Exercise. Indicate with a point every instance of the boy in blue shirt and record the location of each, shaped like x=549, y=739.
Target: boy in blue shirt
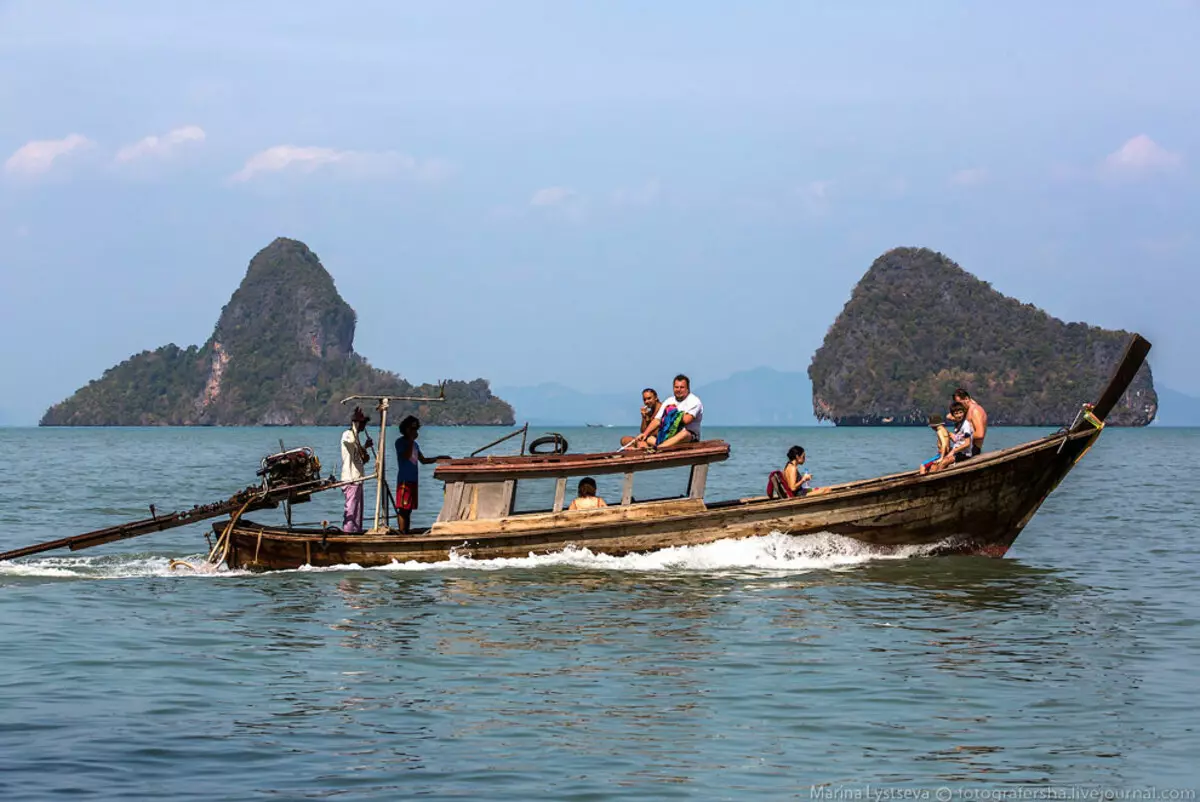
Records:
x=408, y=454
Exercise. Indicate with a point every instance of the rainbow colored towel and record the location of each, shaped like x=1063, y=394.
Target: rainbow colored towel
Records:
x=672, y=423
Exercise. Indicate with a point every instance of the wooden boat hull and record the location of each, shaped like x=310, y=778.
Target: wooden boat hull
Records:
x=977, y=507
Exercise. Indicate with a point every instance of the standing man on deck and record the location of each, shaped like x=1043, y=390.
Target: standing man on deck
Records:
x=408, y=455
x=354, y=456
x=976, y=415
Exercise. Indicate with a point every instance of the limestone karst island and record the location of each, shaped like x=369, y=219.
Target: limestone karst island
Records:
x=917, y=326
x=282, y=353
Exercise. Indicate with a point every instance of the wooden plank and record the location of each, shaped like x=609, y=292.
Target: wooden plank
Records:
x=492, y=500
x=697, y=481
x=469, y=513
x=627, y=490
x=451, y=502
x=1122, y=377
x=507, y=498
x=560, y=493
x=549, y=467
x=540, y=521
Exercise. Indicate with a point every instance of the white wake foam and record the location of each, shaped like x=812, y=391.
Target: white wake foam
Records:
x=776, y=552
x=113, y=566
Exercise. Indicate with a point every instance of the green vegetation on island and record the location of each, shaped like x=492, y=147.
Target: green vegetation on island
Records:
x=280, y=354
x=917, y=326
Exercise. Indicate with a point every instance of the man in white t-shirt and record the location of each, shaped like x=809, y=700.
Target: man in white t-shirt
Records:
x=677, y=420
x=354, y=456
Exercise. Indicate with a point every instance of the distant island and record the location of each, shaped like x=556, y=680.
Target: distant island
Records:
x=747, y=398
x=282, y=353
x=917, y=326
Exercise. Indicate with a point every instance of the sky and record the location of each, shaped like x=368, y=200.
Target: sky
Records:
x=596, y=194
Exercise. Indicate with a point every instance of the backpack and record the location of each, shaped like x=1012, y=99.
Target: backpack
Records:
x=777, y=488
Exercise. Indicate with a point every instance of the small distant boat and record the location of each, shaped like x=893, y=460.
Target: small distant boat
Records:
x=599, y=425
x=979, y=506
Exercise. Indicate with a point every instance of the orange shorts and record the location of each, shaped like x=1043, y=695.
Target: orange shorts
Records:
x=406, y=496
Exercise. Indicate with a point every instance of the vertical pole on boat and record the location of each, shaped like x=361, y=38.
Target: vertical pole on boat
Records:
x=287, y=502
x=381, y=455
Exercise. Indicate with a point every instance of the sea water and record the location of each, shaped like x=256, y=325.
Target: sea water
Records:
x=767, y=668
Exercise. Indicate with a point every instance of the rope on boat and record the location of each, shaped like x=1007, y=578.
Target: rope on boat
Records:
x=1098, y=424
x=223, y=540
x=1085, y=414
x=221, y=545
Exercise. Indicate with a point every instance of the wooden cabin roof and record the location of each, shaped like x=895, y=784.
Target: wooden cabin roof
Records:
x=490, y=469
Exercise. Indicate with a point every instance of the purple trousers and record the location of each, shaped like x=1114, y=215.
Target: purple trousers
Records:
x=352, y=517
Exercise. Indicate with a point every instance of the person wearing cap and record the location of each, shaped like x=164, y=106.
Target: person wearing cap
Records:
x=938, y=424
x=354, y=457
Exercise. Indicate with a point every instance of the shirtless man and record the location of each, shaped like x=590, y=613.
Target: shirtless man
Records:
x=650, y=407
x=976, y=415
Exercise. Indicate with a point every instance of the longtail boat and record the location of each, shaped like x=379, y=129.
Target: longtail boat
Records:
x=978, y=506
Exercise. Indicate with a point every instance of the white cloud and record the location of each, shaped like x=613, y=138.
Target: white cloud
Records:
x=161, y=146
x=553, y=196
x=561, y=202
x=1166, y=245
x=970, y=177
x=1141, y=155
x=644, y=195
x=815, y=197
x=37, y=157
x=354, y=163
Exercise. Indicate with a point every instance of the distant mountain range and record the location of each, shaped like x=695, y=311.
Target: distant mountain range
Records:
x=747, y=398
x=1177, y=409
x=758, y=397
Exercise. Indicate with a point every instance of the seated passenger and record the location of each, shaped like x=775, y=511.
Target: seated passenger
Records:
x=650, y=407
x=961, y=440
x=790, y=482
x=938, y=425
x=977, y=415
x=677, y=421
x=587, y=500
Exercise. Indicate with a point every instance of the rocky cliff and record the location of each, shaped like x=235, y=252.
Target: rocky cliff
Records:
x=917, y=326
x=282, y=353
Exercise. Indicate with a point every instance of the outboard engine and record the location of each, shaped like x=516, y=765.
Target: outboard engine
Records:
x=292, y=467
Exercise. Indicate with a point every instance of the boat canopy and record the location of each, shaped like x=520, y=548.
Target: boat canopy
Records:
x=484, y=488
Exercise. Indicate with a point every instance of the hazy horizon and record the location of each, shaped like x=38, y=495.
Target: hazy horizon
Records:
x=664, y=188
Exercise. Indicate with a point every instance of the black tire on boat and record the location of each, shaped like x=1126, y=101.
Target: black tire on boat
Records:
x=557, y=443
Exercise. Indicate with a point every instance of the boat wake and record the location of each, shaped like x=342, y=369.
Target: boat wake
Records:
x=774, y=553
x=111, y=566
